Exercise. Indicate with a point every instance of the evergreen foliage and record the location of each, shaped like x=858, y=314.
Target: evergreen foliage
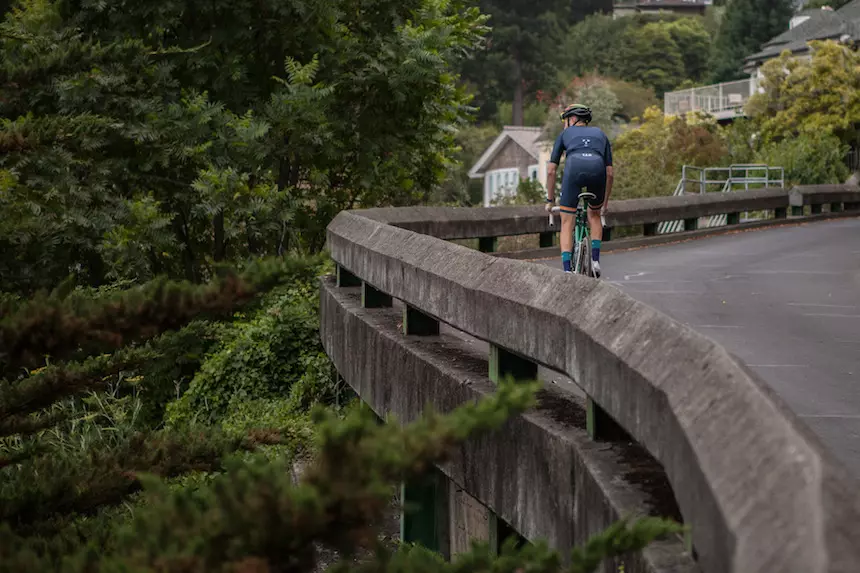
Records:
x=747, y=25
x=144, y=138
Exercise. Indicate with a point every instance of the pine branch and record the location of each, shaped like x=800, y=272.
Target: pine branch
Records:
x=27, y=425
x=55, y=383
x=56, y=485
x=61, y=327
x=275, y=525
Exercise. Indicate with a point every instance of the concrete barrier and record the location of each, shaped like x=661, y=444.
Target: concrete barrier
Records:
x=486, y=224
x=759, y=490
x=541, y=472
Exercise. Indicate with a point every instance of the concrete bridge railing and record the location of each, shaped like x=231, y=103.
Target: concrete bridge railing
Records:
x=759, y=491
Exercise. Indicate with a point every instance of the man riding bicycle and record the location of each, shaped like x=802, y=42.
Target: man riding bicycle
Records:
x=588, y=165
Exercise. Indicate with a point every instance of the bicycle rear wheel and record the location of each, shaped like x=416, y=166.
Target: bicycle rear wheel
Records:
x=583, y=262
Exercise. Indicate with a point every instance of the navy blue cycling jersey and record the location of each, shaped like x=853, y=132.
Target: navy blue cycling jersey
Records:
x=583, y=141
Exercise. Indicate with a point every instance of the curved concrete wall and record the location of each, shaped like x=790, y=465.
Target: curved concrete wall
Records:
x=760, y=492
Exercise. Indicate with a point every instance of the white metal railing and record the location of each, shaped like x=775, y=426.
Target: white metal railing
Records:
x=726, y=99
x=724, y=180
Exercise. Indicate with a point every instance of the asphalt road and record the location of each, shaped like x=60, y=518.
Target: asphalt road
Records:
x=785, y=300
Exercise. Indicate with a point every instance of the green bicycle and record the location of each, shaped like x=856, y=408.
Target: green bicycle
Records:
x=581, y=237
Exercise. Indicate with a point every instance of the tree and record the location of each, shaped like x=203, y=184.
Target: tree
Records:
x=523, y=51
x=649, y=159
x=746, y=25
x=694, y=43
x=158, y=143
x=657, y=51
x=653, y=58
x=820, y=97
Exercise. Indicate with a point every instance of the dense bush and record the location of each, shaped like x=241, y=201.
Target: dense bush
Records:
x=808, y=159
x=649, y=158
x=261, y=357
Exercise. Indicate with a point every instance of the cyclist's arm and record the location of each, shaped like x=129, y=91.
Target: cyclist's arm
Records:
x=552, y=169
x=610, y=175
x=609, y=178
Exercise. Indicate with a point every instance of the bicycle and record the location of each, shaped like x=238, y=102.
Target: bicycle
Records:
x=581, y=236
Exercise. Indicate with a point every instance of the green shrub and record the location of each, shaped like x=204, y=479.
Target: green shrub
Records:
x=262, y=357
x=808, y=159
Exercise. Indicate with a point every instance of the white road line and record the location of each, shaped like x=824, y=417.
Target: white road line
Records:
x=832, y=315
x=785, y=272
x=823, y=305
x=715, y=326
x=627, y=277
x=640, y=291
x=846, y=416
x=778, y=365
x=847, y=341
x=626, y=282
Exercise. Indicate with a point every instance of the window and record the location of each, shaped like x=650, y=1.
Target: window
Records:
x=499, y=183
x=533, y=172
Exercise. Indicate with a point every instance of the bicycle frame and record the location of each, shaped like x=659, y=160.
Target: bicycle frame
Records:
x=581, y=232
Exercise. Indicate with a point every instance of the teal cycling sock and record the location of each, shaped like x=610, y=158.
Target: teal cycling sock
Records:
x=566, y=256
x=595, y=249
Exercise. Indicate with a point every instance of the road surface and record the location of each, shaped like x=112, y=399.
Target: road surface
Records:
x=785, y=300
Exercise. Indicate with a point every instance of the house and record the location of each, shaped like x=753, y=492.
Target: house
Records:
x=726, y=101
x=842, y=25
x=513, y=155
x=685, y=7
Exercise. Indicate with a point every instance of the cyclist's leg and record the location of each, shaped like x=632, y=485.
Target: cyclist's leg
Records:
x=568, y=221
x=567, y=207
x=595, y=224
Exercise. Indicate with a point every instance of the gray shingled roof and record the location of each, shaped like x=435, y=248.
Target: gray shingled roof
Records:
x=525, y=137
x=821, y=25
x=673, y=3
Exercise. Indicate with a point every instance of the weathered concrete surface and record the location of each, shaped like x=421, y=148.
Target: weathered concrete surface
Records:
x=459, y=223
x=682, y=236
x=760, y=492
x=540, y=472
x=786, y=301
x=469, y=521
x=823, y=194
x=675, y=208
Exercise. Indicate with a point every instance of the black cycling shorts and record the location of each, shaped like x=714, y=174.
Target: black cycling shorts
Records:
x=583, y=173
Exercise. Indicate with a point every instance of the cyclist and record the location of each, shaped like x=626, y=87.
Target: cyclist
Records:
x=588, y=165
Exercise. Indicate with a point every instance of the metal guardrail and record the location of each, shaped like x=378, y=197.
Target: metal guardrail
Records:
x=725, y=100
x=725, y=180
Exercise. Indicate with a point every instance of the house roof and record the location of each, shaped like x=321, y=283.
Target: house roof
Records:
x=821, y=25
x=673, y=3
x=525, y=137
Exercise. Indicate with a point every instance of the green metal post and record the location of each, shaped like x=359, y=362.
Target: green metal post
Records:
x=733, y=218
x=504, y=363
x=780, y=213
x=649, y=229
x=836, y=207
x=600, y=425
x=424, y=511
x=797, y=211
x=373, y=298
x=417, y=323
x=691, y=224
x=488, y=244
x=346, y=278
x=547, y=239
x=816, y=209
